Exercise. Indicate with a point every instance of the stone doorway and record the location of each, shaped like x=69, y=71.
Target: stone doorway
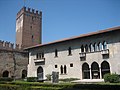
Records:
x=24, y=74
x=5, y=74
x=105, y=68
x=40, y=73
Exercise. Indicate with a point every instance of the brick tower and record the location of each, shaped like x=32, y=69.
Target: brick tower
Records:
x=28, y=27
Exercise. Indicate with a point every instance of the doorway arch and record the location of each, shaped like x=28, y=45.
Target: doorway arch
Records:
x=105, y=68
x=85, y=71
x=5, y=74
x=95, y=70
x=24, y=74
x=40, y=73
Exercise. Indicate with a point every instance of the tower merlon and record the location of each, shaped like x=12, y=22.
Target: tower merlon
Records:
x=33, y=10
x=28, y=10
x=8, y=45
x=40, y=13
x=36, y=12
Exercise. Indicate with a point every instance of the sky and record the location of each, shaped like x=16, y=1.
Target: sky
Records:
x=61, y=18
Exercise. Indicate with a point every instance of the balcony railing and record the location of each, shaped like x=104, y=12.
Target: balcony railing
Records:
x=103, y=52
x=39, y=60
x=83, y=54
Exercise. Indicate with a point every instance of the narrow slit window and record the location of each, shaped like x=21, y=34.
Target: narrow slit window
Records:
x=32, y=38
x=69, y=51
x=56, y=53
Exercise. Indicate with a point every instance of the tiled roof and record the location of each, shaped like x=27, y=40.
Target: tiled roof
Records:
x=72, y=38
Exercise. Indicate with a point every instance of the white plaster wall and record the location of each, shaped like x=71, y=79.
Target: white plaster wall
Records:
x=64, y=59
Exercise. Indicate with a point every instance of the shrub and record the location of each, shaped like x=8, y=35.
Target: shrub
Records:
x=6, y=79
x=112, y=78
x=31, y=79
x=48, y=76
x=107, y=77
x=68, y=79
x=8, y=87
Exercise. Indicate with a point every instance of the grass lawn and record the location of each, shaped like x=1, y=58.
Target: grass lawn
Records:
x=23, y=85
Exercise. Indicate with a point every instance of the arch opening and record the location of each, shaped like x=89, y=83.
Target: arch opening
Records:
x=95, y=71
x=105, y=68
x=24, y=74
x=85, y=71
x=40, y=73
x=5, y=74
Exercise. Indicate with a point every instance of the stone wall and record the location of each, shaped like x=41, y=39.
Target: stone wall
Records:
x=14, y=62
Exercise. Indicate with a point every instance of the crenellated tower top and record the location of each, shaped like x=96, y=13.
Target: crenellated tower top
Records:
x=28, y=27
x=30, y=11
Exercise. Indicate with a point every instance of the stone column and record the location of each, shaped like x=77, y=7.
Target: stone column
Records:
x=90, y=74
x=84, y=49
x=100, y=73
x=102, y=47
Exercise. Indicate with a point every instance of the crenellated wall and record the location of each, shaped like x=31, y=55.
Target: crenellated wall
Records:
x=9, y=45
x=14, y=60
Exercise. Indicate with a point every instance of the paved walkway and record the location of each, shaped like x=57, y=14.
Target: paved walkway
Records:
x=88, y=81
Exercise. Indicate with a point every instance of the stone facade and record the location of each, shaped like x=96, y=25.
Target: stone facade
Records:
x=13, y=61
x=88, y=56
x=28, y=27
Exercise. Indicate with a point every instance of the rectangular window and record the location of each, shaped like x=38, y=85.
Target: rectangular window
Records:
x=55, y=66
x=71, y=65
x=39, y=55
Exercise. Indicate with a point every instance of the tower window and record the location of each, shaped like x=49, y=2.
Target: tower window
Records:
x=32, y=38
